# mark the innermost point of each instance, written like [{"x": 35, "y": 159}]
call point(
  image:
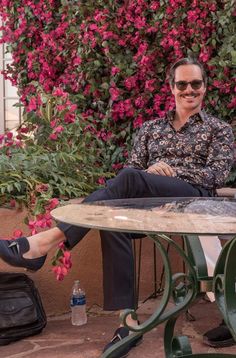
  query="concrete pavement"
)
[{"x": 62, "y": 340}]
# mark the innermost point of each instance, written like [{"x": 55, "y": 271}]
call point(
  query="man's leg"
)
[
  {"x": 211, "y": 247},
  {"x": 118, "y": 274},
  {"x": 118, "y": 269},
  {"x": 116, "y": 247}
]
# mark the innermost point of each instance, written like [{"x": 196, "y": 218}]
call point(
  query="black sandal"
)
[
  {"x": 219, "y": 337},
  {"x": 11, "y": 251},
  {"x": 119, "y": 334}
]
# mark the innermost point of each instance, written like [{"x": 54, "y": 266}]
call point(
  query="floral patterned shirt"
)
[{"x": 200, "y": 152}]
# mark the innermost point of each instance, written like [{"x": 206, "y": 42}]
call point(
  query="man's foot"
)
[
  {"x": 219, "y": 337},
  {"x": 119, "y": 334},
  {"x": 11, "y": 251}
]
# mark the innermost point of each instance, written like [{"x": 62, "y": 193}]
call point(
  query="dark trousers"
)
[{"x": 118, "y": 265}]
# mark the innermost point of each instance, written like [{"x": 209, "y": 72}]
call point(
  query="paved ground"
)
[{"x": 62, "y": 340}]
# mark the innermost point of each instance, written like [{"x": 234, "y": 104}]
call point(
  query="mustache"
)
[{"x": 189, "y": 94}]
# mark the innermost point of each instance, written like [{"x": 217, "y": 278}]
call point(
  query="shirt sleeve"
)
[
  {"x": 219, "y": 160},
  {"x": 139, "y": 154}
]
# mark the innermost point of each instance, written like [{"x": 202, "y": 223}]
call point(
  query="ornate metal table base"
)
[
  {"x": 181, "y": 216},
  {"x": 183, "y": 289}
]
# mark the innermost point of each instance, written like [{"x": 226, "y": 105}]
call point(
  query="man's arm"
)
[
  {"x": 139, "y": 154},
  {"x": 219, "y": 160}
]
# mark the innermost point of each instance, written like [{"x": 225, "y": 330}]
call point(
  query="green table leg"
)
[
  {"x": 183, "y": 289},
  {"x": 225, "y": 285}
]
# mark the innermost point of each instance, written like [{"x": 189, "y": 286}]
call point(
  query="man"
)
[{"x": 187, "y": 153}]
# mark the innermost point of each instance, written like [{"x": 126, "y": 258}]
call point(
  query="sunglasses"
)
[{"x": 195, "y": 84}]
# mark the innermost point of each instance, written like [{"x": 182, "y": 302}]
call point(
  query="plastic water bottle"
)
[{"x": 78, "y": 305}]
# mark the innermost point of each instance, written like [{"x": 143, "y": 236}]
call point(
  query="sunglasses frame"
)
[{"x": 195, "y": 84}]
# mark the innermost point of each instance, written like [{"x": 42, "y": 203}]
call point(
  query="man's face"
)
[{"x": 189, "y": 99}]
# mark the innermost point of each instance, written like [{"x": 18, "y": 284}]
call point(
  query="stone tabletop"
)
[{"x": 200, "y": 216}]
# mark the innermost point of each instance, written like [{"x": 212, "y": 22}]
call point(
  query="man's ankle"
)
[{"x": 130, "y": 321}]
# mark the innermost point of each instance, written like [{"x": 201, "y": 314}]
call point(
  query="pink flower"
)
[
  {"x": 69, "y": 118},
  {"x": 53, "y": 123},
  {"x": 140, "y": 22},
  {"x": 23, "y": 130},
  {"x": 12, "y": 203},
  {"x": 140, "y": 102},
  {"x": 117, "y": 166},
  {"x": 61, "y": 245},
  {"x": 115, "y": 70},
  {"x": 32, "y": 106},
  {"x": 73, "y": 107},
  {"x": 192, "y": 15},
  {"x": 58, "y": 92},
  {"x": 130, "y": 82},
  {"x": 42, "y": 188},
  {"x": 17, "y": 233},
  {"x": 141, "y": 50},
  {"x": 59, "y": 129},
  {"x": 145, "y": 60},
  {"x": 77, "y": 61},
  {"x": 9, "y": 135},
  {"x": 104, "y": 135},
  {"x": 114, "y": 92},
  {"x": 53, "y": 203},
  {"x": 205, "y": 54},
  {"x": 154, "y": 5},
  {"x": 217, "y": 83},
  {"x": 122, "y": 42},
  {"x": 60, "y": 272},
  {"x": 101, "y": 181},
  {"x": 66, "y": 260},
  {"x": 53, "y": 136},
  {"x": 232, "y": 103},
  {"x": 137, "y": 123},
  {"x": 125, "y": 153},
  {"x": 150, "y": 85},
  {"x": 43, "y": 221}
]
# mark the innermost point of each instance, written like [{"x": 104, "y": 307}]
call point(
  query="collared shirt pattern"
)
[{"x": 200, "y": 152}]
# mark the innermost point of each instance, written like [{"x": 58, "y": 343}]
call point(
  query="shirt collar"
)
[{"x": 200, "y": 115}]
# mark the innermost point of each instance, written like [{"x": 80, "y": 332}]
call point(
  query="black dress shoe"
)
[
  {"x": 119, "y": 334},
  {"x": 219, "y": 337},
  {"x": 11, "y": 251}
]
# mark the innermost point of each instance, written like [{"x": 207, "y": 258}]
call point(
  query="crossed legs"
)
[
  {"x": 118, "y": 271},
  {"x": 118, "y": 268}
]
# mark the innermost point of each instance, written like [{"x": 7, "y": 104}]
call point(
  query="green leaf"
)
[{"x": 233, "y": 57}]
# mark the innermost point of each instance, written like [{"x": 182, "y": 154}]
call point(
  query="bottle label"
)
[{"x": 77, "y": 301}]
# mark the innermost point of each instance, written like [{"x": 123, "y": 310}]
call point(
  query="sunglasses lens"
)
[
  {"x": 196, "y": 84},
  {"x": 181, "y": 85}
]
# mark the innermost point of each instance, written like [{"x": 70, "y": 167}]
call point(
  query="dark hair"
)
[{"x": 186, "y": 61}]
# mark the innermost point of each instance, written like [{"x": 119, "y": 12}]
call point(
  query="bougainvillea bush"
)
[{"x": 102, "y": 66}]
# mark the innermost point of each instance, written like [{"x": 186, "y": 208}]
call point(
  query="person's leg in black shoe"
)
[
  {"x": 118, "y": 266},
  {"x": 116, "y": 247},
  {"x": 129, "y": 183},
  {"x": 219, "y": 337}
]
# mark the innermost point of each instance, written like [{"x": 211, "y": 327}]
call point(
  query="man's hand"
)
[{"x": 161, "y": 168}]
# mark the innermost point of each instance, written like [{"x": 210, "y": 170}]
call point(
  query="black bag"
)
[{"x": 21, "y": 309}]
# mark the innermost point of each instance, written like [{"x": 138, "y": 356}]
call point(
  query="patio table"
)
[{"x": 160, "y": 219}]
